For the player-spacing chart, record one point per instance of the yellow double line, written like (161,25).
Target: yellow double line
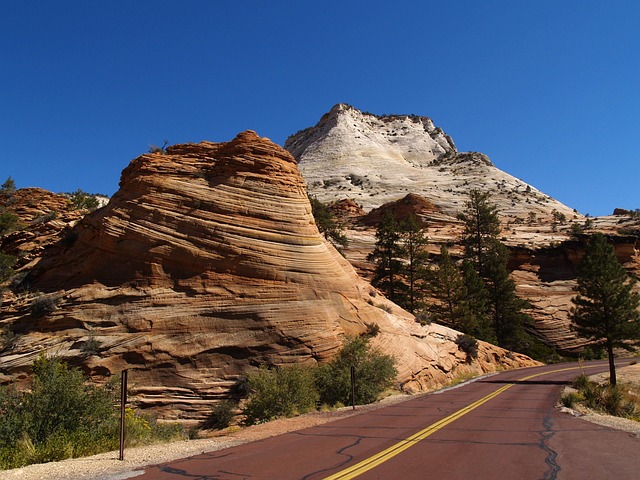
(401,446)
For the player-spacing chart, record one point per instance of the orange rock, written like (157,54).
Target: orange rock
(207,262)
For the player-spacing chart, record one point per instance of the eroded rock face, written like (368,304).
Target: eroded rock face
(377,159)
(205,263)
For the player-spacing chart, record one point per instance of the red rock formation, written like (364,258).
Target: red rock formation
(206,262)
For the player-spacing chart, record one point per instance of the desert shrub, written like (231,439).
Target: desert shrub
(7,262)
(221,415)
(581,382)
(468,345)
(8,339)
(373,329)
(91,346)
(614,400)
(374,373)
(570,399)
(43,305)
(280,392)
(9,222)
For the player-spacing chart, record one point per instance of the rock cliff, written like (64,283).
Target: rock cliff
(405,164)
(205,263)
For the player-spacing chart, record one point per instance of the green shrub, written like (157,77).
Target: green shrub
(374,373)
(7,262)
(221,415)
(9,222)
(62,416)
(468,345)
(83,200)
(570,399)
(280,392)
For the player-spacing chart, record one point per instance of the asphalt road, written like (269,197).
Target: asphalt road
(503,426)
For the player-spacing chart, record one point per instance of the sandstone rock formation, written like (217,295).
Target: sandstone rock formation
(44,218)
(407,165)
(205,263)
(378,159)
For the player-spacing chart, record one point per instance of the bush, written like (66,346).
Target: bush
(9,222)
(220,416)
(280,392)
(468,345)
(59,417)
(374,373)
(570,399)
(83,200)
(613,400)
(43,305)
(7,262)
(62,416)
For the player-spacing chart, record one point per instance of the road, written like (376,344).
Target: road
(503,426)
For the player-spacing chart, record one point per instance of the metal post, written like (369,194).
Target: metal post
(123,402)
(353,386)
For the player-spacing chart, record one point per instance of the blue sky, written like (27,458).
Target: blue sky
(550,90)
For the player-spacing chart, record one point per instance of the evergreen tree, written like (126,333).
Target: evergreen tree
(415,240)
(9,186)
(505,306)
(606,308)
(387,256)
(476,312)
(327,224)
(481,227)
(447,287)
(490,258)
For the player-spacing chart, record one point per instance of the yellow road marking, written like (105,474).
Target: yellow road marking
(401,446)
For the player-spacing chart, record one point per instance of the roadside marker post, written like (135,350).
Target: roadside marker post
(123,402)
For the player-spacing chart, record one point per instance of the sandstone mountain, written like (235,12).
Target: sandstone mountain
(405,164)
(205,263)
(377,159)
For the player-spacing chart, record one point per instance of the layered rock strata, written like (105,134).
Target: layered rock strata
(207,262)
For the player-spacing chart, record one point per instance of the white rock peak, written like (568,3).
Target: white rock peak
(376,159)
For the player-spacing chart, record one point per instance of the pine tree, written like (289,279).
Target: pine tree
(606,308)
(447,287)
(476,312)
(490,258)
(387,256)
(505,306)
(481,227)
(414,240)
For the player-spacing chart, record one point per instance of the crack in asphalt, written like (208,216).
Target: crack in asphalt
(552,455)
(347,459)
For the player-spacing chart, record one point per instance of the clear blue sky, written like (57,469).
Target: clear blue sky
(549,89)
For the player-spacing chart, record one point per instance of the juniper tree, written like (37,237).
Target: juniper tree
(606,308)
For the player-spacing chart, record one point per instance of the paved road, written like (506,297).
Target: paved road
(501,427)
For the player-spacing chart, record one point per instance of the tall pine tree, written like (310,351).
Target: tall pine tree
(606,308)
(387,256)
(490,258)
(414,240)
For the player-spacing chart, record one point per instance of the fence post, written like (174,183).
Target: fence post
(353,386)
(123,402)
